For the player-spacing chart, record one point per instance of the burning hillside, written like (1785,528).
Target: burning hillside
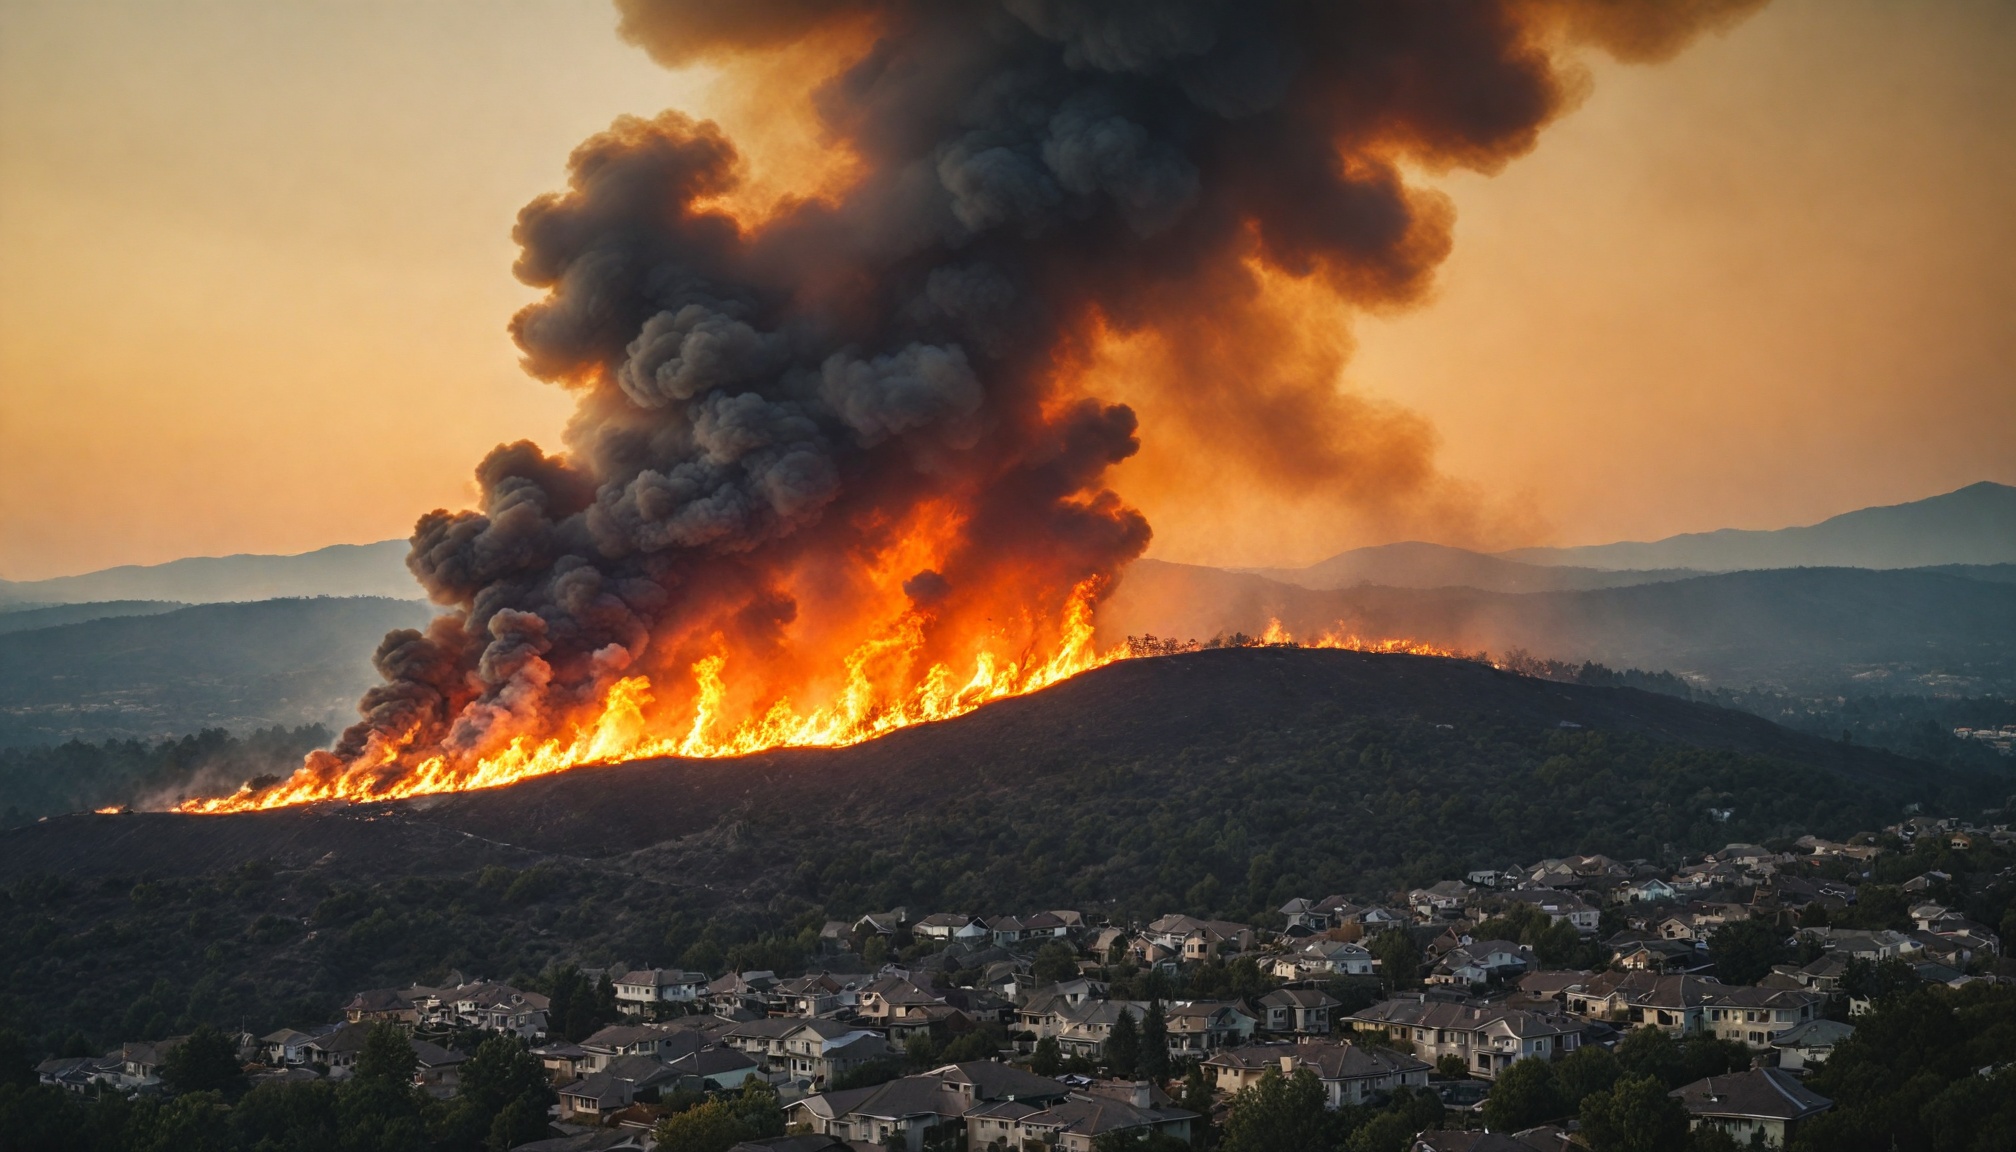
(842,453)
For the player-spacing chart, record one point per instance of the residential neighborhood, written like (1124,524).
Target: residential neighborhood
(1060,1028)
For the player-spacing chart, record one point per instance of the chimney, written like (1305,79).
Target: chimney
(1139,1094)
(1287,1065)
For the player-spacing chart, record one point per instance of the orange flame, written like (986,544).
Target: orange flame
(623,730)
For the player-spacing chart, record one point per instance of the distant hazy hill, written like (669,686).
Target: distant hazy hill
(1417,565)
(236,666)
(1975,525)
(339,570)
(1807,629)
(28,619)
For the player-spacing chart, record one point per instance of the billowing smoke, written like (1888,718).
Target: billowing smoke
(862,417)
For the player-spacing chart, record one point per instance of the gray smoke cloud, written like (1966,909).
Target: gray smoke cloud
(761,407)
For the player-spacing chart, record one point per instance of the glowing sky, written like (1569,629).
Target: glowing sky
(254,273)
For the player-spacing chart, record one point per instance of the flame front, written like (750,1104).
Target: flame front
(625,728)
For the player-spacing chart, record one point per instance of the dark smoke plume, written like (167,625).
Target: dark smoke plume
(768,410)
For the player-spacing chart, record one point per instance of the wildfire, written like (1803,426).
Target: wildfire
(625,728)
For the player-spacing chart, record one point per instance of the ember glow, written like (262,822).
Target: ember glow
(842,449)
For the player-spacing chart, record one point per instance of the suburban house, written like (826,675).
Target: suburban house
(1679,1005)
(1758,1016)
(820,1050)
(1650,890)
(485,1005)
(885,924)
(437,1070)
(140,1061)
(1559,906)
(1661,956)
(1481,961)
(79,1073)
(285,1047)
(1005,930)
(338,1049)
(1303,1010)
(746,990)
(1324,957)
(1769,1103)
(950,926)
(1192,939)
(817,994)
(619,1040)
(1857,944)
(598,1094)
(1802,1048)
(1676,1005)
(1350,1074)
(1072,1124)
(1488,1038)
(636,991)
(902,1009)
(1206,1026)
(1376,920)
(1300,913)
(715,1070)
(1046,925)
(1080,1029)
(899,1114)
(388,1004)
(1440,899)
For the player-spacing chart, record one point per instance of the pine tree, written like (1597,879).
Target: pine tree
(1123,1045)
(1154,1063)
(1197,1097)
(1048,1061)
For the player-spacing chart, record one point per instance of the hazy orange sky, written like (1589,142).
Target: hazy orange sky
(254,274)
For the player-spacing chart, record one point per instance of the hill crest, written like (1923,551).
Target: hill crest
(1213,715)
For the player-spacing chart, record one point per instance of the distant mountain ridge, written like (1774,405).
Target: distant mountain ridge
(1415,564)
(27,619)
(1972,525)
(338,570)
(1975,525)
(1805,629)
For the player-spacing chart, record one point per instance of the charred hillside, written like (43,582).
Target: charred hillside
(1218,782)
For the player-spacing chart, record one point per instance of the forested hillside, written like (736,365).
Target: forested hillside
(1220,783)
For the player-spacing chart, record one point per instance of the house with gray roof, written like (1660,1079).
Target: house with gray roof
(1807,1046)
(1303,1010)
(1766,1102)
(645,988)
